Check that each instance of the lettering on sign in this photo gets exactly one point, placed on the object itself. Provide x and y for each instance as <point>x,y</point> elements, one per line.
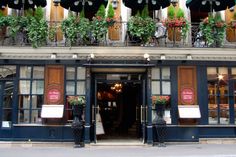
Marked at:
<point>54,95</point>
<point>187,96</point>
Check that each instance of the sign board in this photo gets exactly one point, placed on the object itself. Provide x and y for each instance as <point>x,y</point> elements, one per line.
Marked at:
<point>52,111</point>
<point>54,95</point>
<point>189,111</point>
<point>6,124</point>
<point>187,96</point>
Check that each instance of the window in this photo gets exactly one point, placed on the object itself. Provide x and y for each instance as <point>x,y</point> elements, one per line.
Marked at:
<point>7,76</point>
<point>31,90</point>
<point>161,86</point>
<point>218,95</point>
<point>75,86</point>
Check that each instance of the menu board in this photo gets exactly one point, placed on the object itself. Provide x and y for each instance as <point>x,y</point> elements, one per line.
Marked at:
<point>52,111</point>
<point>189,111</point>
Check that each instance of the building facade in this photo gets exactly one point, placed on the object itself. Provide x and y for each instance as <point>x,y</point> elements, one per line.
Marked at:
<point>119,83</point>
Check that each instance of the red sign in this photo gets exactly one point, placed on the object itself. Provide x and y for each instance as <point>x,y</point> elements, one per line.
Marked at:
<point>54,95</point>
<point>187,96</point>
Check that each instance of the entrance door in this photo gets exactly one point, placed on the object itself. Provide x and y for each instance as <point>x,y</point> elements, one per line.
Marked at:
<point>6,103</point>
<point>119,110</point>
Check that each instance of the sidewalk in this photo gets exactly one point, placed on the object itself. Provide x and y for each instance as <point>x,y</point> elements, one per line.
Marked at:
<point>171,150</point>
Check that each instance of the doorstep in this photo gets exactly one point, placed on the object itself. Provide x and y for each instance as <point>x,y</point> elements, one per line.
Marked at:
<point>217,140</point>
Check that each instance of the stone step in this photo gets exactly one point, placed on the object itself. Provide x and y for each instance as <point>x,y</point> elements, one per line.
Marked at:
<point>217,140</point>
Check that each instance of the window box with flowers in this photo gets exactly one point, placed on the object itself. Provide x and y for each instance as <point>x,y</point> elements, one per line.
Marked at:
<point>160,102</point>
<point>77,103</point>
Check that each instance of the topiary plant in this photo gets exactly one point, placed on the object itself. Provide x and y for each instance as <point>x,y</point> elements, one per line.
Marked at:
<point>101,11</point>
<point>171,12</point>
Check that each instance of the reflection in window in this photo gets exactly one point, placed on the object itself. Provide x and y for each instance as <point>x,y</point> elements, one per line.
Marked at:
<point>7,72</point>
<point>218,104</point>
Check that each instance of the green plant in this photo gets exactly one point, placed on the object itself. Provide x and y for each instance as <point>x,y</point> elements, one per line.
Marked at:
<point>180,13</point>
<point>52,32</point>
<point>142,28</point>
<point>76,100</point>
<point>69,28</point>
<point>110,12</point>
<point>234,16</point>
<point>144,13</point>
<point>160,100</point>
<point>84,29</point>
<point>213,29</point>
<point>101,11</point>
<point>171,12</point>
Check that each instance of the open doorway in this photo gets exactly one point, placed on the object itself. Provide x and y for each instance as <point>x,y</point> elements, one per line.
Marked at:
<point>119,105</point>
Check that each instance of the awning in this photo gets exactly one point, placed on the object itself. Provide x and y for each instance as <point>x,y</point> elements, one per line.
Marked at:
<point>17,4</point>
<point>210,5</point>
<point>152,4</point>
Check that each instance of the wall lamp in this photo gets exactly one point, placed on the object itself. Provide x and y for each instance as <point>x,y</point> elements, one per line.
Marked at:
<point>210,1</point>
<point>90,58</point>
<point>56,2</point>
<point>174,2</point>
<point>163,57</point>
<point>146,57</point>
<point>189,57</point>
<point>74,56</point>
<point>114,4</point>
<point>53,56</point>
<point>76,3</point>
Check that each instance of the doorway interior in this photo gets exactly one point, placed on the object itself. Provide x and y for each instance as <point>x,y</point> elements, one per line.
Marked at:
<point>120,102</point>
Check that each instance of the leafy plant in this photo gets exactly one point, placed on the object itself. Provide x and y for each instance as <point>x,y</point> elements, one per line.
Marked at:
<point>110,12</point>
<point>180,13</point>
<point>145,11</point>
<point>234,16</point>
<point>101,11</point>
<point>76,100</point>
<point>213,29</point>
<point>160,100</point>
<point>69,28</point>
<point>171,12</point>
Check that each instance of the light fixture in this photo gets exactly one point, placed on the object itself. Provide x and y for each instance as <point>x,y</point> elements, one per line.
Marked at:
<point>76,3</point>
<point>174,2</point>
<point>154,2</point>
<point>30,2</point>
<point>114,4</point>
<point>53,56</point>
<point>56,2</point>
<point>146,55</point>
<point>16,1</point>
<point>117,87</point>
<point>189,57</point>
<point>74,56</point>
<point>90,58</point>
<point>217,3</point>
<point>140,1</point>
<point>204,2</point>
<point>220,77</point>
<point>162,57</point>
<point>231,9</point>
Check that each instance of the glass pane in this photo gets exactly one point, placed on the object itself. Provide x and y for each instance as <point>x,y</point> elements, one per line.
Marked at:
<point>166,88</point>
<point>7,115</point>
<point>80,88</point>
<point>212,107</point>
<point>223,70</point>
<point>35,116</point>
<point>81,73</point>
<point>155,73</point>
<point>38,72</point>
<point>70,73</point>
<point>7,101</point>
<point>224,110</point>
<point>233,70</point>
<point>211,71</point>
<point>25,72</point>
<point>23,116</point>
<point>70,88</point>
<point>7,71</point>
<point>165,73</point>
<point>37,101</point>
<point>155,87</point>
<point>24,87</point>
<point>24,101</point>
<point>37,87</point>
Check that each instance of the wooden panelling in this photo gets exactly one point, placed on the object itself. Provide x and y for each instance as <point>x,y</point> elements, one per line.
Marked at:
<point>54,85</point>
<point>230,32</point>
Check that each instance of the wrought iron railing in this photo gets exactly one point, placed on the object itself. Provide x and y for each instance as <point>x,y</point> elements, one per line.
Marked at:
<point>117,36</point>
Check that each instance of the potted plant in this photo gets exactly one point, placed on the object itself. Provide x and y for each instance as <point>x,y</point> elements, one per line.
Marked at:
<point>77,126</point>
<point>99,25</point>
<point>177,24</point>
<point>141,27</point>
<point>213,30</point>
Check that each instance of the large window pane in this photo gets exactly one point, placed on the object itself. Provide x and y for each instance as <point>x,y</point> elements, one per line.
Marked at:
<point>25,72</point>
<point>155,87</point>
<point>155,73</point>
<point>81,73</point>
<point>23,116</point>
<point>38,72</point>
<point>165,73</point>
<point>7,72</point>
<point>37,101</point>
<point>35,116</point>
<point>80,88</point>
<point>70,88</point>
<point>24,87</point>
<point>224,110</point>
<point>24,101</point>
<point>166,88</point>
<point>37,87</point>
<point>70,73</point>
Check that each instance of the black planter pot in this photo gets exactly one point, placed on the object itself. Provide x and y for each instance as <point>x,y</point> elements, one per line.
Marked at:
<point>159,125</point>
<point>78,126</point>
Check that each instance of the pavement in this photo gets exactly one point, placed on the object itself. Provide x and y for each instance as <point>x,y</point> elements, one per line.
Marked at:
<point>67,150</point>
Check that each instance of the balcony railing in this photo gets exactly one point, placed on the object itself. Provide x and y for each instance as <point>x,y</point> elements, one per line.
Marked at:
<point>119,36</point>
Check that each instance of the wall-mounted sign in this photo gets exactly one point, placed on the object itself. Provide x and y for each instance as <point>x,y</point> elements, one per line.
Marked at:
<point>189,111</point>
<point>52,111</point>
<point>54,95</point>
<point>187,96</point>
